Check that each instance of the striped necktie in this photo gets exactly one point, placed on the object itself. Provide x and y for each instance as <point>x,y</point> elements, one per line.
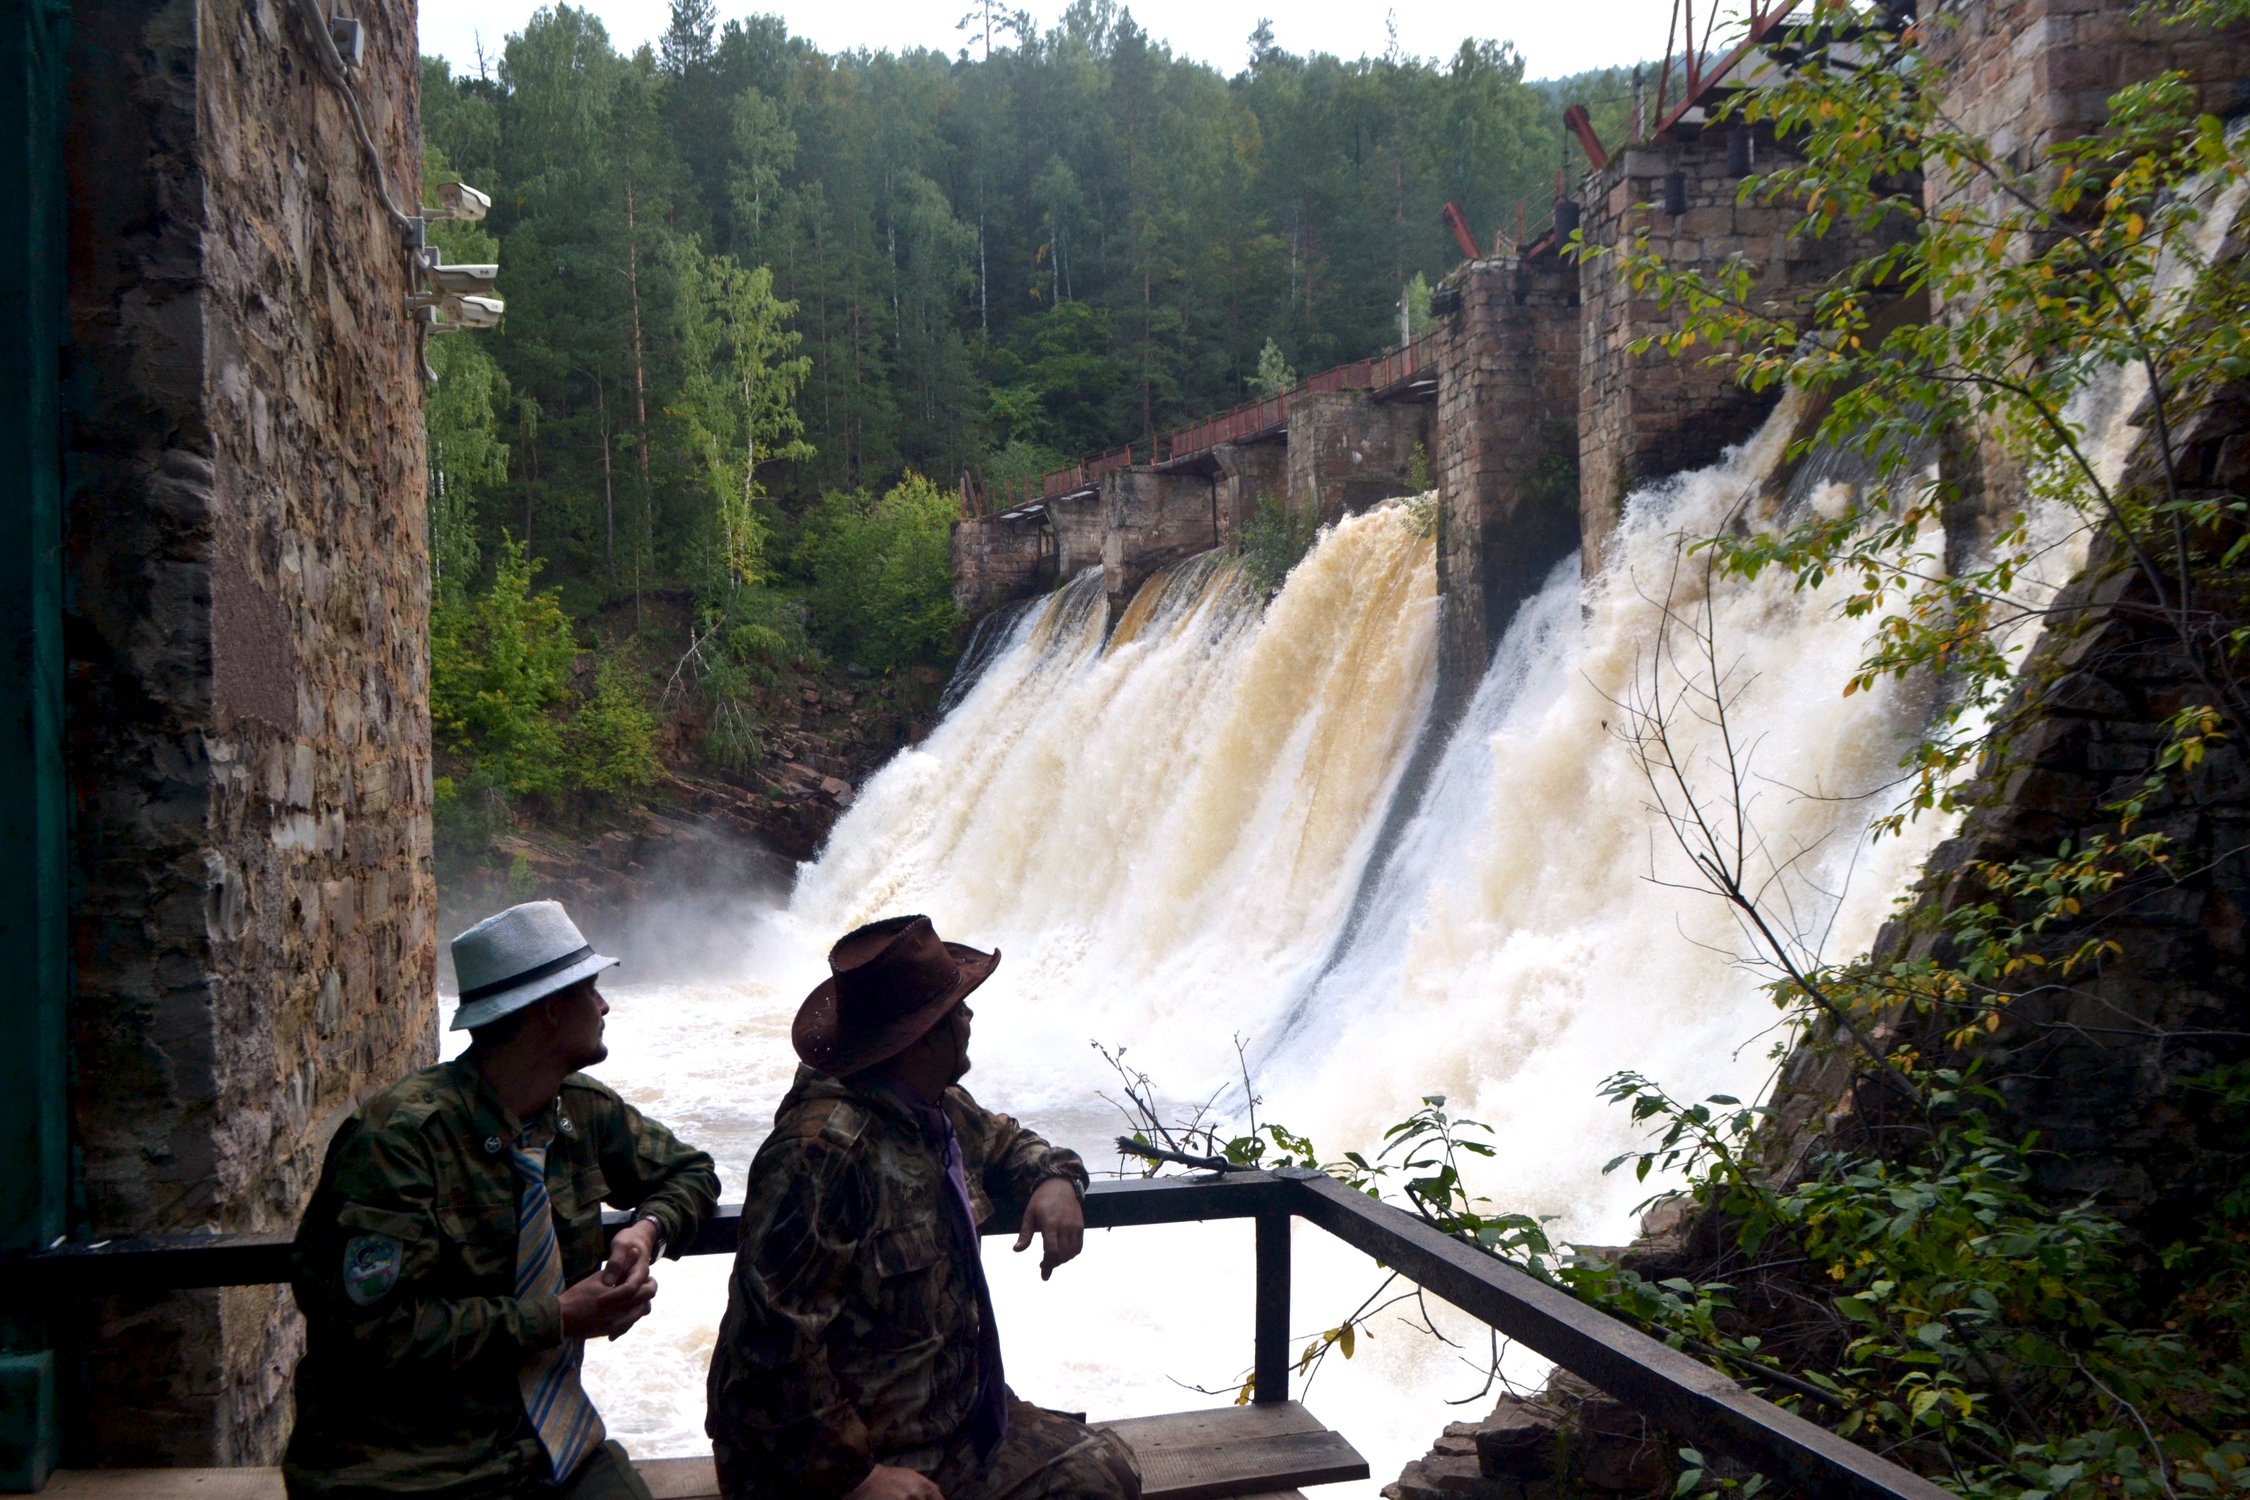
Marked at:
<point>567,1424</point>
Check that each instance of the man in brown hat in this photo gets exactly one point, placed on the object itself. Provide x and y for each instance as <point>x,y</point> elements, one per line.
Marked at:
<point>858,1357</point>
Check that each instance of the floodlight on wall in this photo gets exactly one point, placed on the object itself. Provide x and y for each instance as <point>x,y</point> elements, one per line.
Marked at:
<point>457,200</point>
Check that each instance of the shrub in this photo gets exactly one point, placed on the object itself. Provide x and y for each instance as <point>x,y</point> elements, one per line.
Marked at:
<point>467,815</point>
<point>750,636</point>
<point>882,574</point>
<point>609,744</point>
<point>498,664</point>
<point>1274,543</point>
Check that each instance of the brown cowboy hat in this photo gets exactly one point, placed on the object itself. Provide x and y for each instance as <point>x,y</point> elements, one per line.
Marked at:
<point>889,983</point>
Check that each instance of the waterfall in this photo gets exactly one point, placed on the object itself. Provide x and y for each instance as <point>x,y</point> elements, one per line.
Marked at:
<point>1166,828</point>
<point>1169,824</point>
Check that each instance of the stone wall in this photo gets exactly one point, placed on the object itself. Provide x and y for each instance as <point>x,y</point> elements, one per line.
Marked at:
<point>2094,1067</point>
<point>254,922</point>
<point>999,558</point>
<point>1152,519</point>
<point>1348,451</point>
<point>2029,75</point>
<point>1507,450</point>
<point>1644,417</point>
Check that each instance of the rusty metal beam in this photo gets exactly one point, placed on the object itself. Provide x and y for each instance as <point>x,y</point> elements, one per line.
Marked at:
<point>1456,221</point>
<point>1765,17</point>
<point>1581,124</point>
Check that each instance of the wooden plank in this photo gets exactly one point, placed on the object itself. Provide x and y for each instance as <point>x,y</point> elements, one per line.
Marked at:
<point>1213,1424</point>
<point>679,1478</point>
<point>166,1484</point>
<point>667,1479</point>
<point>180,1261</point>
<point>1250,1467</point>
<point>1270,1342</point>
<point>1236,1451</point>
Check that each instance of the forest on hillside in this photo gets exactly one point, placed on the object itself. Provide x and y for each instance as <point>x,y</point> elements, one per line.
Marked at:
<point>766,306</point>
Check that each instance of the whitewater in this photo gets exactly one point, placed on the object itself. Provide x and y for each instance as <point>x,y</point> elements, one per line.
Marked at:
<point>1180,835</point>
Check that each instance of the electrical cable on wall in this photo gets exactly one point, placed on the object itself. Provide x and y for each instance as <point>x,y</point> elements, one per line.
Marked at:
<point>466,294</point>
<point>332,63</point>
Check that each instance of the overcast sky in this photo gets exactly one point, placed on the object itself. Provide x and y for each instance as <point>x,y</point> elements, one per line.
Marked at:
<point>1555,36</point>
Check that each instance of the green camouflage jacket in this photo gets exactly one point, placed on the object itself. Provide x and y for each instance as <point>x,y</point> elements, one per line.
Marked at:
<point>405,1269</point>
<point>851,1328</point>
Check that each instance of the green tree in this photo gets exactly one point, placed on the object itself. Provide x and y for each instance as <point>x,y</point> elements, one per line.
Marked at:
<point>498,665</point>
<point>1274,375</point>
<point>736,405</point>
<point>609,743</point>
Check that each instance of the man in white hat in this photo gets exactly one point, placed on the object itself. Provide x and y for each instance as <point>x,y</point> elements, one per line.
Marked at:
<point>451,1264</point>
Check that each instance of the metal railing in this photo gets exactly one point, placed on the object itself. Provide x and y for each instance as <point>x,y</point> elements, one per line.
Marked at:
<point>1684,1396</point>
<point>1252,419</point>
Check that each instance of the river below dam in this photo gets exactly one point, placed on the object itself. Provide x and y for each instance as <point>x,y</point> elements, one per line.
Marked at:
<point>1182,834</point>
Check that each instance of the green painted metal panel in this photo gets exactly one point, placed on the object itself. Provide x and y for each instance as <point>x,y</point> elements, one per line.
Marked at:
<point>27,1407</point>
<point>33,976</point>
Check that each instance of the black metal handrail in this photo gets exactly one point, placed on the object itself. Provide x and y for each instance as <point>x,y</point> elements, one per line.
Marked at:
<point>1679,1393</point>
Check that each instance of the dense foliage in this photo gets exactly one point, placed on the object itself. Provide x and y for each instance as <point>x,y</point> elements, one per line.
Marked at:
<point>1061,245</point>
<point>768,306</point>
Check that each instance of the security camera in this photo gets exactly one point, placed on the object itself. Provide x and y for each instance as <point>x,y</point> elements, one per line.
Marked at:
<point>457,200</point>
<point>472,312</point>
<point>464,281</point>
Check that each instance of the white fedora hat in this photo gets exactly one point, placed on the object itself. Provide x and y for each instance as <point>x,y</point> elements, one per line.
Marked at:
<point>520,955</point>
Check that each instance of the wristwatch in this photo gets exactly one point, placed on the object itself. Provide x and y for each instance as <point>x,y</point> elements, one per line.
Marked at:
<point>644,1216</point>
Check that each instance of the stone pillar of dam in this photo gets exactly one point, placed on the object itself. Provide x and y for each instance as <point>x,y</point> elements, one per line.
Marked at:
<point>1506,452</point>
<point>1348,451</point>
<point>253,912</point>
<point>1003,557</point>
<point>1150,519</point>
<point>2028,76</point>
<point>1644,416</point>
<point>1248,473</point>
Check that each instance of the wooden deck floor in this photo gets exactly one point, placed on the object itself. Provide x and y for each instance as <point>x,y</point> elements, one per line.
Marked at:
<point>1231,1453</point>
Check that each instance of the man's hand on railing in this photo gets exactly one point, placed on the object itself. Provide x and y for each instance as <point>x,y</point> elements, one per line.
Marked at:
<point>884,1482</point>
<point>1054,1214</point>
<point>632,1252</point>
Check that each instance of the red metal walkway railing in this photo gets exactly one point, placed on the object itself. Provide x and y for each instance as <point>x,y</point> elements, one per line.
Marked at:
<point>1252,419</point>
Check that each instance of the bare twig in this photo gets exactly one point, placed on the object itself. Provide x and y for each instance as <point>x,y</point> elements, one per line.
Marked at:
<point>1127,1146</point>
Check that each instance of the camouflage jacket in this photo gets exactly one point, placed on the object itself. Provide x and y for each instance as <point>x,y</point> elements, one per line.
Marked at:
<point>405,1268</point>
<point>851,1328</point>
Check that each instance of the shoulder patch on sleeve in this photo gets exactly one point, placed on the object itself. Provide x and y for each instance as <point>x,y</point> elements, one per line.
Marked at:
<point>844,1125</point>
<point>839,1122</point>
<point>371,1265</point>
